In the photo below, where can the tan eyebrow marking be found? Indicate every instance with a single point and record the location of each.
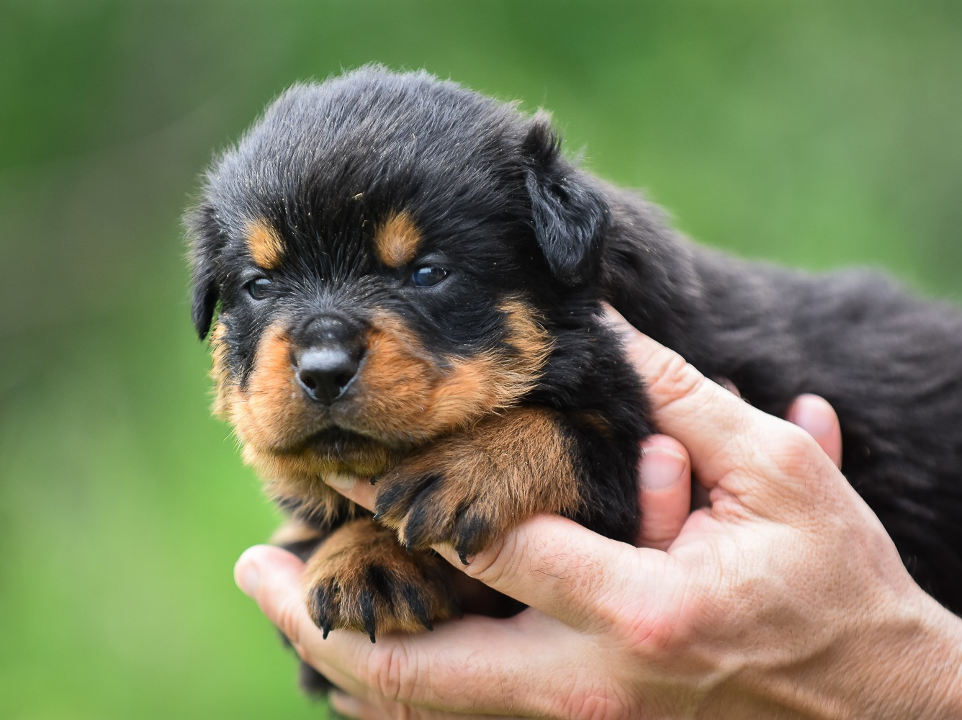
(264, 244)
(396, 240)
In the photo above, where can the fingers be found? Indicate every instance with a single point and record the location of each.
(572, 574)
(364, 709)
(665, 486)
(463, 666)
(272, 577)
(755, 454)
(664, 493)
(703, 416)
(817, 417)
(356, 489)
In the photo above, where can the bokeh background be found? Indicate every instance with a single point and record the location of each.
(818, 133)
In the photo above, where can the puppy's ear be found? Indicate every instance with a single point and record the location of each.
(569, 216)
(206, 241)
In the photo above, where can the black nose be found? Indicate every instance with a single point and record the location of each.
(325, 367)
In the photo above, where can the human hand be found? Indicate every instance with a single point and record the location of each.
(665, 484)
(785, 597)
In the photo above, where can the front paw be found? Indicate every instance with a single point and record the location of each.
(470, 488)
(361, 579)
(429, 508)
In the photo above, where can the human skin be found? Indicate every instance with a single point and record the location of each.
(783, 597)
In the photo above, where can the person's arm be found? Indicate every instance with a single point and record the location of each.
(784, 598)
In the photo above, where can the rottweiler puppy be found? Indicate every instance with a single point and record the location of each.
(409, 278)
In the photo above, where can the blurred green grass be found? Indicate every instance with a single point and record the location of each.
(816, 133)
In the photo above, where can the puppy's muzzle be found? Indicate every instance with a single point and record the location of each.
(329, 352)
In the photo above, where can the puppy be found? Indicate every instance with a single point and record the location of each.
(409, 278)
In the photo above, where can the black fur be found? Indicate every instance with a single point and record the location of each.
(502, 209)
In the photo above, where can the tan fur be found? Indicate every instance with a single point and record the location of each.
(403, 397)
(396, 241)
(411, 396)
(219, 373)
(504, 469)
(341, 566)
(271, 420)
(264, 244)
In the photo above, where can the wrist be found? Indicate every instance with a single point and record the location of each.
(907, 663)
(939, 670)
(901, 659)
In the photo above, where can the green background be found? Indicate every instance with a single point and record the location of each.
(816, 133)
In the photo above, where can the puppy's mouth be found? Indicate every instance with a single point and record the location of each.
(333, 441)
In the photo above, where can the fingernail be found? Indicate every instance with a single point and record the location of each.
(247, 576)
(812, 414)
(660, 467)
(341, 481)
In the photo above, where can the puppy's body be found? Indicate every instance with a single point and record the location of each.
(410, 277)
(890, 364)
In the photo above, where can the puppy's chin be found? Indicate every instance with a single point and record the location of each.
(327, 452)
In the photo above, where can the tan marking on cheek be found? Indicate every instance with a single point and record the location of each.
(408, 394)
(496, 380)
(528, 337)
(396, 241)
(269, 412)
(264, 244)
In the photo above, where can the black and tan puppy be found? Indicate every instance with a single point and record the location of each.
(409, 278)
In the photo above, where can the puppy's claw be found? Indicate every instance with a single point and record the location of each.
(319, 609)
(422, 615)
(418, 609)
(368, 616)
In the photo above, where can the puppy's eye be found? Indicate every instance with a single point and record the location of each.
(258, 287)
(428, 275)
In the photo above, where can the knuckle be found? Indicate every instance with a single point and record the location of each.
(389, 672)
(795, 451)
(670, 379)
(493, 563)
(647, 633)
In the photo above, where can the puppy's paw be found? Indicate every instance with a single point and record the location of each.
(469, 488)
(361, 579)
(425, 508)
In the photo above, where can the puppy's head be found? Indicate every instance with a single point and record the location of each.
(386, 252)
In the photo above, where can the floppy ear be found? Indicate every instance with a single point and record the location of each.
(206, 241)
(569, 216)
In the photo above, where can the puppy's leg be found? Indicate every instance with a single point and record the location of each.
(468, 488)
(360, 578)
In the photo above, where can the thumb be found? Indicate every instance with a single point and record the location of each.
(557, 566)
(664, 491)
(272, 578)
